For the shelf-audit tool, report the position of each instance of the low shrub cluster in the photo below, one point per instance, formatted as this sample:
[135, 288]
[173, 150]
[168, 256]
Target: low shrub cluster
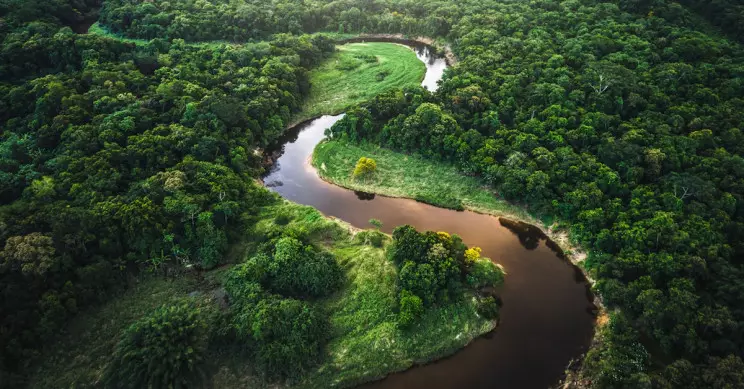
[271, 315]
[436, 268]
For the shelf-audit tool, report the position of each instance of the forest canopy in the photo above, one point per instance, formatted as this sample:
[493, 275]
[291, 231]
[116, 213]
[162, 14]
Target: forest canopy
[623, 120]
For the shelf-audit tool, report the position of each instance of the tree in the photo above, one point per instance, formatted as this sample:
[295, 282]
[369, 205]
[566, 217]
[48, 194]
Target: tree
[364, 168]
[165, 349]
[32, 254]
[411, 308]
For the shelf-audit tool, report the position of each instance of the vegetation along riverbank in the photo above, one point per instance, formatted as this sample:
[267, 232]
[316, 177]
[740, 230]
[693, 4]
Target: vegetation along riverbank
[374, 314]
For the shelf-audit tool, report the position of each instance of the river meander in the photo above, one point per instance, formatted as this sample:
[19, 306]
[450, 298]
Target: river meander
[546, 319]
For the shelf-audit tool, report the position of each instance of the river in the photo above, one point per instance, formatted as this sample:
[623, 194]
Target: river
[546, 319]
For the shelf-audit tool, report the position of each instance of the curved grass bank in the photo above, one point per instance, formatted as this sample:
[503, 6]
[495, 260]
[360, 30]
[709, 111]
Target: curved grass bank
[356, 73]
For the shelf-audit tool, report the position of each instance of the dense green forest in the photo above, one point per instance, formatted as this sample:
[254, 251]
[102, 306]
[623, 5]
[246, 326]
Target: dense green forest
[622, 120]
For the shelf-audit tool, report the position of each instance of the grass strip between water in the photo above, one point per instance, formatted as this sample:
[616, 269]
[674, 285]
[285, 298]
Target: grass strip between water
[410, 176]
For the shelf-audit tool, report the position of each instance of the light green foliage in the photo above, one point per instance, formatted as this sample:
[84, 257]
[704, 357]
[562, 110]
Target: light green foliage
[365, 168]
[335, 88]
[165, 349]
[484, 273]
[401, 175]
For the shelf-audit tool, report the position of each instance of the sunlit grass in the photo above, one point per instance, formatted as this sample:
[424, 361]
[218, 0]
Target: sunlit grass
[410, 176]
[335, 86]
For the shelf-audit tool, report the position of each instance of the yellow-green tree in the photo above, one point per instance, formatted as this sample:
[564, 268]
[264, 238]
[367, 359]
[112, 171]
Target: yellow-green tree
[365, 167]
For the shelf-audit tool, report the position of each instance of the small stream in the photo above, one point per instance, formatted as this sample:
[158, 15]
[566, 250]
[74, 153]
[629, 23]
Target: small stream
[546, 319]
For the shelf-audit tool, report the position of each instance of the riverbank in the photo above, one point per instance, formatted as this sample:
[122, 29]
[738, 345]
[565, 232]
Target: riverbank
[366, 345]
[436, 183]
[441, 184]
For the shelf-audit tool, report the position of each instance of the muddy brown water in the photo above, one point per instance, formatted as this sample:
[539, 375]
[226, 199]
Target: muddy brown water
[546, 318]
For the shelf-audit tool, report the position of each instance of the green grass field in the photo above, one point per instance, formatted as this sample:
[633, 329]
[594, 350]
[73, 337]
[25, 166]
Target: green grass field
[366, 342]
[410, 176]
[349, 77]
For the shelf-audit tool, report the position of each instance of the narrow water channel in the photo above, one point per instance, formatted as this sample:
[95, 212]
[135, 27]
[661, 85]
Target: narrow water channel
[546, 318]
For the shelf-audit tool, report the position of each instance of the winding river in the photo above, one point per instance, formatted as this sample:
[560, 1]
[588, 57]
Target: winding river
[546, 319]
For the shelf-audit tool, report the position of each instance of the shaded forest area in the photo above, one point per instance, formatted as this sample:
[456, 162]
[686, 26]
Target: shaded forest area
[621, 119]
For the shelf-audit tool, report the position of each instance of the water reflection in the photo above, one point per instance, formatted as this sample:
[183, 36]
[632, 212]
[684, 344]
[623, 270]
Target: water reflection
[364, 195]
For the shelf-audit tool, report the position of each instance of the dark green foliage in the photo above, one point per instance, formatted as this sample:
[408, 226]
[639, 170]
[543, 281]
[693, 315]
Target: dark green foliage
[286, 335]
[488, 308]
[162, 350]
[622, 120]
[411, 308]
[302, 271]
[432, 268]
[115, 156]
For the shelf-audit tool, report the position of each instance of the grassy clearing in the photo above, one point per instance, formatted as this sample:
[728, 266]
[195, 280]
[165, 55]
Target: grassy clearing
[349, 77]
[401, 175]
[366, 344]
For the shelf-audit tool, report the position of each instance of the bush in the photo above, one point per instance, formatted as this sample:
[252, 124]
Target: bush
[298, 270]
[282, 219]
[484, 273]
[365, 167]
[244, 282]
[288, 335]
[162, 350]
[488, 308]
[368, 58]
[370, 237]
[382, 75]
[411, 308]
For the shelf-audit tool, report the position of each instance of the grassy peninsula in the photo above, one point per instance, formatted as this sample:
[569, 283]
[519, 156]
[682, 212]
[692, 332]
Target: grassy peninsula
[366, 341]
[356, 72]
[409, 176]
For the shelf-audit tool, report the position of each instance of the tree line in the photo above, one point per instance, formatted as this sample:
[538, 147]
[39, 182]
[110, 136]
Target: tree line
[624, 125]
[621, 120]
[116, 157]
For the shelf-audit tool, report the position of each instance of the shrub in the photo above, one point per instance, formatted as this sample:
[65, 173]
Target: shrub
[288, 334]
[368, 58]
[244, 282]
[411, 308]
[364, 167]
[370, 237]
[299, 270]
[162, 350]
[382, 75]
[488, 308]
[282, 219]
[376, 223]
[484, 273]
